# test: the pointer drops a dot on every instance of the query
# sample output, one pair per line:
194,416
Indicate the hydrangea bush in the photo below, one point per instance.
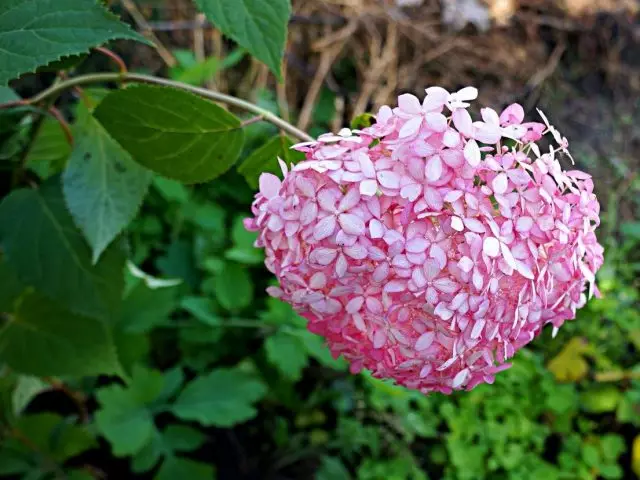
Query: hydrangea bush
429,247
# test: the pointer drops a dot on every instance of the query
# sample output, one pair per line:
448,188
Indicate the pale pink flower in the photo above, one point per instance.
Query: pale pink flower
425,256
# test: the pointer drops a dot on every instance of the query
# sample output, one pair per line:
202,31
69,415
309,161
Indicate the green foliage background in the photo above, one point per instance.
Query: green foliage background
189,371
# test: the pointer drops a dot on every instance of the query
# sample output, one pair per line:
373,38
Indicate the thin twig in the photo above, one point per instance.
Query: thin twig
147,31
113,56
252,120
139,78
55,113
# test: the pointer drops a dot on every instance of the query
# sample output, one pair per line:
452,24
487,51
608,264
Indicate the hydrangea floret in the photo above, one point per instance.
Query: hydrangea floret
429,247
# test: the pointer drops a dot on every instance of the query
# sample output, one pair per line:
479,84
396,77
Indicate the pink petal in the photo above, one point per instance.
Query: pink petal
524,224
389,179
467,94
491,246
456,224
500,183
463,122
438,254
309,213
323,256
379,339
368,187
433,168
269,185
490,116
409,103
411,127
472,153
350,200
411,192
512,115
354,305
417,245
324,228
424,341
465,264
474,225
376,229
451,138
351,223
366,165
453,158
433,198
436,121
446,285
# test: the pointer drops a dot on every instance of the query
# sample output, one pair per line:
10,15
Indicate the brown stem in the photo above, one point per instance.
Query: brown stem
113,56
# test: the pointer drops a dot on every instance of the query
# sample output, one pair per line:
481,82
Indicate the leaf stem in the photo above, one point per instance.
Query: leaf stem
139,78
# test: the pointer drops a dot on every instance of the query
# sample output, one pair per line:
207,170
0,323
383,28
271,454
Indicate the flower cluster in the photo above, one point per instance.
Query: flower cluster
429,247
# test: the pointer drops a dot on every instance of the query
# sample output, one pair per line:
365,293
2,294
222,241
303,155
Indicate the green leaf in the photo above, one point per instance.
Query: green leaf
34,224
11,287
49,150
54,436
41,338
27,388
200,308
176,467
172,132
182,438
7,95
124,417
265,159
233,287
103,186
243,250
287,353
145,308
38,32
363,120
223,398
601,399
171,190
332,468
260,26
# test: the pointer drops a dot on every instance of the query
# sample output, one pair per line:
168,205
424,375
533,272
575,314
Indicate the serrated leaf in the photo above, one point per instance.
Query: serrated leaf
287,353
223,398
102,185
260,26
124,417
42,338
34,224
38,32
265,159
233,287
172,132
177,467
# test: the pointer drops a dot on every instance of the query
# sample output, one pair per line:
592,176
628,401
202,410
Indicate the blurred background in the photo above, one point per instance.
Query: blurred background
570,406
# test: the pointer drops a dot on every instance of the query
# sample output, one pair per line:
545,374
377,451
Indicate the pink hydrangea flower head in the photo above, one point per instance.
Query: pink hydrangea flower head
430,247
